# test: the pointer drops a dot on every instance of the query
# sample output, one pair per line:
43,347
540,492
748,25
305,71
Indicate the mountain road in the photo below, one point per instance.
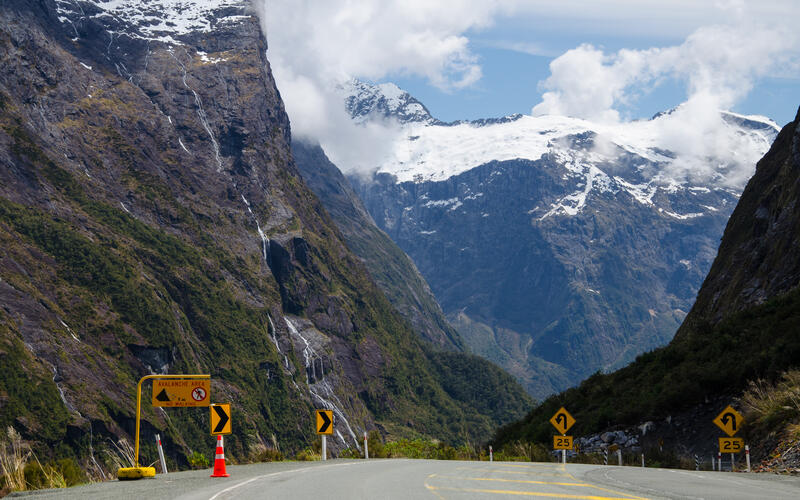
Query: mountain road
431,479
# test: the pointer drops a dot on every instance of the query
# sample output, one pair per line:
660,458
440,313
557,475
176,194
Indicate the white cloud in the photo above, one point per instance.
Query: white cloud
718,65
721,62
316,44
313,45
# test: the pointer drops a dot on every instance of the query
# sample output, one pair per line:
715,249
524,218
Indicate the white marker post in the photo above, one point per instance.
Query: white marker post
161,454
642,459
366,447
324,447
719,460
491,457
747,455
713,463
619,457
733,462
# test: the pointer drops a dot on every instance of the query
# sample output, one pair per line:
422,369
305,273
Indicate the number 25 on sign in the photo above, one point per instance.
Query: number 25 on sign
731,445
562,442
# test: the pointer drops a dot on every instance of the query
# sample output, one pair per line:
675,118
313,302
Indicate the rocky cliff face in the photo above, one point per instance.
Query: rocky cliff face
153,221
759,257
555,246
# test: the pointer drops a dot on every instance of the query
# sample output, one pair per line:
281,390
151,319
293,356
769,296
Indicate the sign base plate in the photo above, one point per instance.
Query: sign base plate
135,472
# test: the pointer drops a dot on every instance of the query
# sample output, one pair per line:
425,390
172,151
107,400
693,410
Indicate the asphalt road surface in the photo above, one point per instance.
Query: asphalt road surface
432,480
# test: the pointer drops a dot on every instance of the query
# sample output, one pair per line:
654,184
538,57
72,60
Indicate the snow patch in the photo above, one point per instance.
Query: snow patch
158,20
443,203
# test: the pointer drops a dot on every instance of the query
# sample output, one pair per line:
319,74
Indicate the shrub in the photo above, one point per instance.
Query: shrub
38,476
14,456
198,461
350,453
375,444
307,455
269,455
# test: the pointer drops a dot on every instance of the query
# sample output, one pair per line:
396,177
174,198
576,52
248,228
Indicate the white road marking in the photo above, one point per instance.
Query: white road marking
304,469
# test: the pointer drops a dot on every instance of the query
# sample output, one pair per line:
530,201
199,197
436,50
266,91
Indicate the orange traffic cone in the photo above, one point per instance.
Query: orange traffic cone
219,460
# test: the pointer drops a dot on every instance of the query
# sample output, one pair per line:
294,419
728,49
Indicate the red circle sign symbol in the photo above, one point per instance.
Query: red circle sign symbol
199,394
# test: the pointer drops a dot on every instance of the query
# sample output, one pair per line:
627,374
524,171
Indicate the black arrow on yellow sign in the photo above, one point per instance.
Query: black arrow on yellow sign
729,417
324,421
562,420
730,421
221,419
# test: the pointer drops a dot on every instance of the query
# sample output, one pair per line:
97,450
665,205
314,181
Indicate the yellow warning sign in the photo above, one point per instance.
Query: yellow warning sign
181,392
562,420
562,442
324,421
730,421
731,445
220,419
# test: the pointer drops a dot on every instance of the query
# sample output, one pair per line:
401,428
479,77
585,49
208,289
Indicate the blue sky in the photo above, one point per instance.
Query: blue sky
600,60
510,80
511,77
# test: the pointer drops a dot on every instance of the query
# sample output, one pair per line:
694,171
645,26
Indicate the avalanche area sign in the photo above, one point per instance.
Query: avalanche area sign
181,392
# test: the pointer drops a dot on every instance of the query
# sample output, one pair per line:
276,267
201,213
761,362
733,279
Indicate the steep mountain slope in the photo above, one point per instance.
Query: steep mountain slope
466,377
392,270
743,326
152,220
556,247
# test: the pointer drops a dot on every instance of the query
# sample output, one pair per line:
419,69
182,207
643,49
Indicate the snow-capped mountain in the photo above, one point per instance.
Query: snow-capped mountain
155,20
365,101
558,246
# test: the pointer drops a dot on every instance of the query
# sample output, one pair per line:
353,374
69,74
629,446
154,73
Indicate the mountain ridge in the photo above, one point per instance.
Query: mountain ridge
589,224
734,334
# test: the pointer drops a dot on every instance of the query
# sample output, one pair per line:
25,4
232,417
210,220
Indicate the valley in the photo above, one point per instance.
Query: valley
175,201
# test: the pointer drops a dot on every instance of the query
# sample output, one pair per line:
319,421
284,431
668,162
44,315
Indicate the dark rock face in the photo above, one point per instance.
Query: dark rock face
152,219
759,257
551,298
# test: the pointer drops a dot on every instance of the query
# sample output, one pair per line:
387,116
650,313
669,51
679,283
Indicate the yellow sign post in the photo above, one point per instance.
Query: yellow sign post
562,420
137,472
731,445
562,442
730,421
324,428
220,419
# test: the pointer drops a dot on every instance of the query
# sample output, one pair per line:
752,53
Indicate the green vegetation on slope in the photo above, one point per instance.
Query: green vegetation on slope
718,359
127,285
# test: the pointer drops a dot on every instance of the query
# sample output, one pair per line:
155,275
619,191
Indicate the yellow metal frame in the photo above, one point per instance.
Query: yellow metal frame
139,405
